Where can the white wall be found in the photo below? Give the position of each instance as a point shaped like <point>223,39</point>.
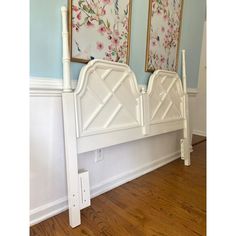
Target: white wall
<point>199,103</point>
<point>121,163</point>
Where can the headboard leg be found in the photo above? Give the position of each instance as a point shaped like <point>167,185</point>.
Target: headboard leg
<point>71,159</point>
<point>185,144</point>
<point>185,153</point>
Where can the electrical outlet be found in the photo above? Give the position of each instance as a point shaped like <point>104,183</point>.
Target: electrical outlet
<point>98,155</point>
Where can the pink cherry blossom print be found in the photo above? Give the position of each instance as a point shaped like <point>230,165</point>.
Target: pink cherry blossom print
<point>104,26</point>
<point>154,43</point>
<point>89,24</point>
<point>75,8</point>
<point>102,30</point>
<point>165,20</point>
<point>79,16</point>
<point>115,41</point>
<point>100,46</point>
<point>106,1</point>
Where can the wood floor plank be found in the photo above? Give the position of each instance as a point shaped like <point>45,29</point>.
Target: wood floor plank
<point>198,139</point>
<point>169,201</point>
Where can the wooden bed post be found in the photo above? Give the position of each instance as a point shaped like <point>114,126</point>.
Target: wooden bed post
<point>70,131</point>
<point>66,54</point>
<point>185,151</point>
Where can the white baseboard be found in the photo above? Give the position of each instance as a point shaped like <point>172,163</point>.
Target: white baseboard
<point>48,210</point>
<point>53,208</point>
<point>132,174</point>
<point>199,132</point>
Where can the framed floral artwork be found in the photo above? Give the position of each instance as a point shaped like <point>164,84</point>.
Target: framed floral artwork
<point>100,29</point>
<point>164,25</point>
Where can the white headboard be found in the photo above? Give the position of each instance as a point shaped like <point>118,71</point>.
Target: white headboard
<point>107,108</point>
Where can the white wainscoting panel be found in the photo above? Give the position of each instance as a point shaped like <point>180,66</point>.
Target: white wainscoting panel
<point>47,162</point>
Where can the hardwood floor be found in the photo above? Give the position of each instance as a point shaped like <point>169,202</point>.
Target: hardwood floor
<point>198,139</point>
<point>170,201</point>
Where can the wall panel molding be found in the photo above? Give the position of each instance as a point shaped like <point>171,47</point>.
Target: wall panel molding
<point>52,87</point>
<point>192,92</point>
<point>46,87</point>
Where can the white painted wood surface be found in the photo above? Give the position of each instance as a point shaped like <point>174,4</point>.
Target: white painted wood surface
<point>107,109</point>
<point>186,131</point>
<point>106,98</point>
<point>66,52</point>
<point>110,110</point>
<point>71,158</point>
<point>165,100</point>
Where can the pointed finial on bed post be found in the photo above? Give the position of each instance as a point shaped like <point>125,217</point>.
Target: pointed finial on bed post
<point>66,54</point>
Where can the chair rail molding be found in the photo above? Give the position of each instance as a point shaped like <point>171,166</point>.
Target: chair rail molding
<point>52,87</point>
<point>45,86</point>
<point>192,92</point>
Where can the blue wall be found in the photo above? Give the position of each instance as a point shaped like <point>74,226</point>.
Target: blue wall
<point>194,16</point>
<point>46,40</point>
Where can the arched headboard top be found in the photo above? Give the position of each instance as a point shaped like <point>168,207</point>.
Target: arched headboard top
<point>164,78</point>
<point>165,97</point>
<point>106,98</point>
<point>109,72</point>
